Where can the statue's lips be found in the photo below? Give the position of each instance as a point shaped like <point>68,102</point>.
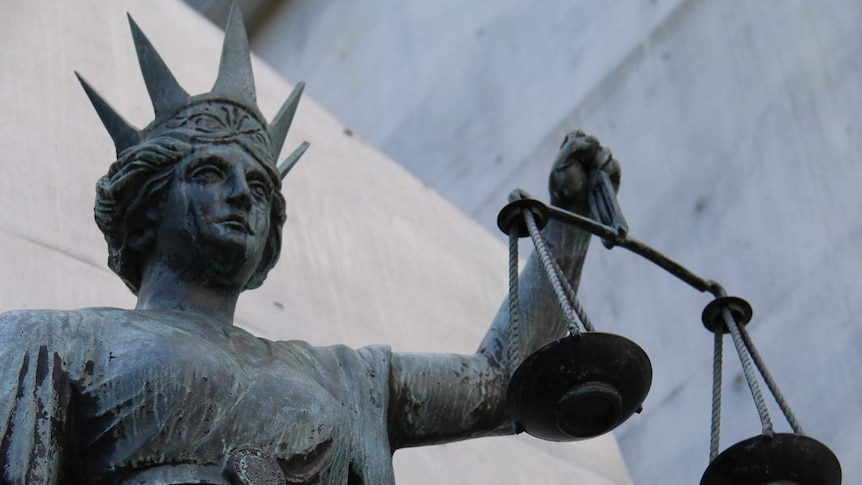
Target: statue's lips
<point>236,223</point>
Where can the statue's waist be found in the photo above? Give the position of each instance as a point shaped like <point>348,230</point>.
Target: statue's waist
<point>246,466</point>
<point>181,474</point>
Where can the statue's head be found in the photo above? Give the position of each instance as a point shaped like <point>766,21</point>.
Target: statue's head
<point>222,128</point>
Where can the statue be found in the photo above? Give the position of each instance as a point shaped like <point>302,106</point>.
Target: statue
<point>171,392</point>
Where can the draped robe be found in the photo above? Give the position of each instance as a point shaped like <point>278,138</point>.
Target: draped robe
<point>108,396</point>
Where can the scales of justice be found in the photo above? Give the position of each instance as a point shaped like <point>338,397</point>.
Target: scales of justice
<point>172,393</point>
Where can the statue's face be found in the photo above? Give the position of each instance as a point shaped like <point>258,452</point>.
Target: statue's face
<point>216,214</point>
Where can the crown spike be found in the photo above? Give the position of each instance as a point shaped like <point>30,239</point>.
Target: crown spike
<point>235,79</point>
<point>165,92</point>
<point>288,164</point>
<point>121,131</point>
<point>281,123</point>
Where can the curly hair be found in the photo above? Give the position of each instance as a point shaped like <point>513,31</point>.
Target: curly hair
<point>135,184</point>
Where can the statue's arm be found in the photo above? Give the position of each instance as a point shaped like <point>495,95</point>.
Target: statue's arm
<point>436,398</point>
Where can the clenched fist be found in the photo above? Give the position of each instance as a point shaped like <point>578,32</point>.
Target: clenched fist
<point>579,155</point>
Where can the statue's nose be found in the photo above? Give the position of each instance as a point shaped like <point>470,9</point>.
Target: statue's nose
<point>239,192</point>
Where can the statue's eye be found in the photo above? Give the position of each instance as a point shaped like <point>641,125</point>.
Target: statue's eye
<point>207,172</point>
<point>260,190</point>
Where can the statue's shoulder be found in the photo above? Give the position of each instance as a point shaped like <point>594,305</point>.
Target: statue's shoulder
<point>341,353</point>
<point>41,321</point>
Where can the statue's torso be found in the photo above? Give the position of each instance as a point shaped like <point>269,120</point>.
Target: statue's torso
<point>152,391</point>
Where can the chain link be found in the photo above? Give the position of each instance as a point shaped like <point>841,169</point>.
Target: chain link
<point>547,263</point>
<point>514,351</point>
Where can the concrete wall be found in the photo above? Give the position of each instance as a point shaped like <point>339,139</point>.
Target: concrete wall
<point>370,254</point>
<point>738,127</point>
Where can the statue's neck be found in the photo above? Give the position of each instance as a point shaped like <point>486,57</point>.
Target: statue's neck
<point>162,289</point>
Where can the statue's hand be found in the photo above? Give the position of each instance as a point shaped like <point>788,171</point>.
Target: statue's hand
<point>579,155</point>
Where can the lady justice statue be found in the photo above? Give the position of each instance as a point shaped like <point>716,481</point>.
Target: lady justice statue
<point>171,392</point>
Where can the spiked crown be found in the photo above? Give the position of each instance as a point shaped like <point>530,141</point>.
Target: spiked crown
<point>234,86</point>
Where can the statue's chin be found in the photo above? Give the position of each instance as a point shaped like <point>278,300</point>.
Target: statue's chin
<point>220,258</point>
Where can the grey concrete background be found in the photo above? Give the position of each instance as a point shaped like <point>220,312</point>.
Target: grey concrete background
<point>738,126</point>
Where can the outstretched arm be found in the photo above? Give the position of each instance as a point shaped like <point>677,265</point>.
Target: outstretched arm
<point>436,398</point>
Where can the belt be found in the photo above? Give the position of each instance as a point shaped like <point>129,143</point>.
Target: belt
<point>181,474</point>
<point>246,466</point>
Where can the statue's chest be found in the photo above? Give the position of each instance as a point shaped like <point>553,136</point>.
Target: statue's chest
<point>180,396</point>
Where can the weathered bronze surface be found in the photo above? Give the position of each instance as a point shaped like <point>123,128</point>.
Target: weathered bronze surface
<point>172,392</point>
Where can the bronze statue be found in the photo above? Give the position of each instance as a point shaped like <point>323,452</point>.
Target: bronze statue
<point>171,392</point>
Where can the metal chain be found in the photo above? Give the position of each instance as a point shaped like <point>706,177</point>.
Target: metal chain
<point>545,256</point>
<point>715,426</point>
<point>573,298</point>
<point>514,350</point>
<point>770,382</point>
<point>750,377</point>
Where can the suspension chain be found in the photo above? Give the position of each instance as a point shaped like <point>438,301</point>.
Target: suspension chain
<point>544,255</point>
<point>715,425</point>
<point>514,351</point>
<point>748,370</point>
<point>573,299</point>
<point>770,382</point>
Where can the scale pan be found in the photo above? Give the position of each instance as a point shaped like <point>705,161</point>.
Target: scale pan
<point>786,459</point>
<point>579,387</point>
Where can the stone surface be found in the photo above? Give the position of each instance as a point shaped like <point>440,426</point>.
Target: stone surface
<point>458,94</point>
<point>393,263</point>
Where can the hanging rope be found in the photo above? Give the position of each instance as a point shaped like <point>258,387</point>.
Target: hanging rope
<point>715,425</point>
<point>770,382</point>
<point>573,298</point>
<point>547,263</point>
<point>748,371</point>
<point>514,351</point>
